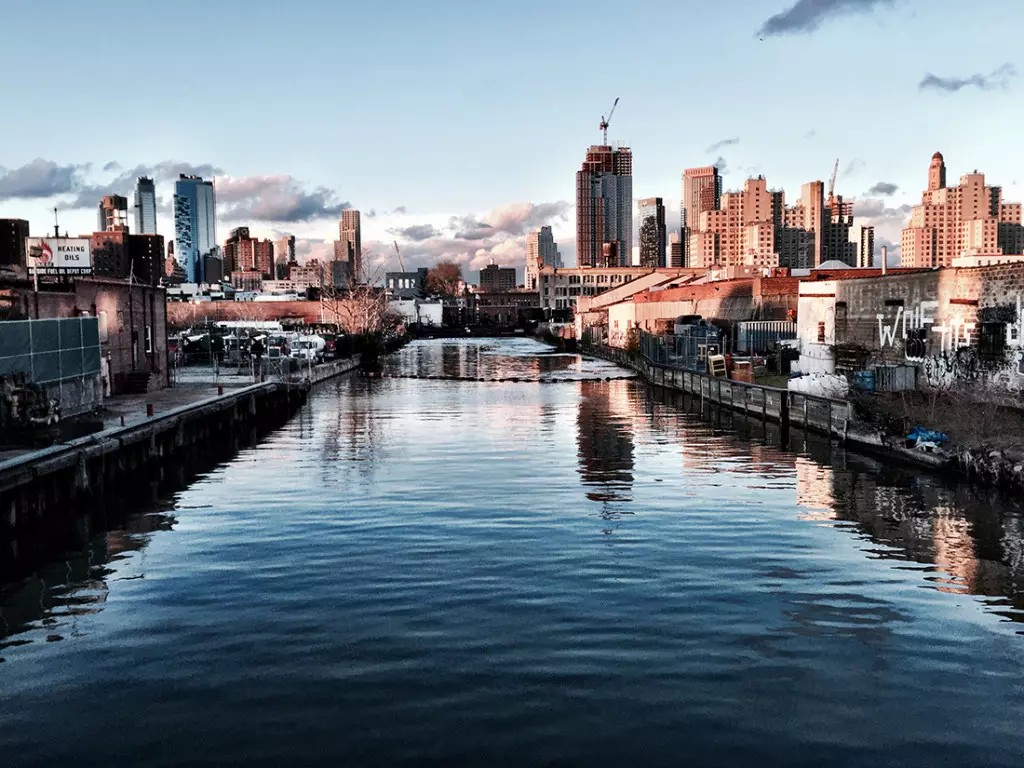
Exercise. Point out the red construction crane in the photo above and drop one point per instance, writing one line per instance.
(606, 120)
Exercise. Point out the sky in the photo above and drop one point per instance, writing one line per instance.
(457, 126)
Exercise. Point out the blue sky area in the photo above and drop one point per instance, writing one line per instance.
(459, 125)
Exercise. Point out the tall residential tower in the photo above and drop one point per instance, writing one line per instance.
(701, 191)
(350, 240)
(652, 232)
(604, 208)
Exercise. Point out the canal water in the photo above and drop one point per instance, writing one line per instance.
(522, 573)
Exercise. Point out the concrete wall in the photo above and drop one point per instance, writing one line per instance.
(957, 326)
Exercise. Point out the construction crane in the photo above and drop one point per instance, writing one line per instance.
(832, 181)
(606, 120)
(398, 253)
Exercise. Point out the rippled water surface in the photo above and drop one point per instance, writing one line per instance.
(523, 573)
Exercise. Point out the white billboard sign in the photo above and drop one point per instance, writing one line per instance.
(59, 255)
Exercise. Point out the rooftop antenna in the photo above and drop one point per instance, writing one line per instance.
(606, 120)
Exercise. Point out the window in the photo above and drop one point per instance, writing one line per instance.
(821, 333)
(102, 317)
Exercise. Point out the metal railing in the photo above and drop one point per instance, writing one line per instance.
(658, 363)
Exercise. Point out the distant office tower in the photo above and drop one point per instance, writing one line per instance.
(652, 232)
(145, 206)
(604, 207)
(243, 253)
(284, 254)
(838, 226)
(13, 233)
(350, 237)
(701, 191)
(950, 221)
(541, 251)
(113, 214)
(495, 278)
(675, 250)
(866, 247)
(195, 224)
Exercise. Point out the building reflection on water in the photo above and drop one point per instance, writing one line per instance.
(604, 437)
(49, 605)
(967, 540)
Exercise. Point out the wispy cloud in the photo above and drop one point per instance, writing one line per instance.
(886, 188)
(997, 78)
(416, 232)
(805, 16)
(719, 145)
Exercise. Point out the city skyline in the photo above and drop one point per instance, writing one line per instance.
(275, 188)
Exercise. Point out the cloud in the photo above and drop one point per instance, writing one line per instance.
(888, 222)
(805, 16)
(471, 240)
(113, 165)
(87, 195)
(399, 209)
(307, 248)
(810, 134)
(998, 78)
(886, 188)
(40, 179)
(521, 218)
(722, 144)
(415, 232)
(279, 198)
(721, 165)
(893, 249)
(468, 228)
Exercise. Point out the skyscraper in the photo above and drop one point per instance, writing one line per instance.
(284, 253)
(652, 232)
(195, 224)
(112, 215)
(351, 239)
(604, 207)
(701, 191)
(145, 206)
(541, 251)
(812, 202)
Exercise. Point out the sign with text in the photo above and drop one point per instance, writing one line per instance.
(59, 255)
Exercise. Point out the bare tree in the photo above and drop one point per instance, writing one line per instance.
(444, 279)
(361, 310)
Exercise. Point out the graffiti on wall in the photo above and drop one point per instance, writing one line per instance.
(945, 347)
